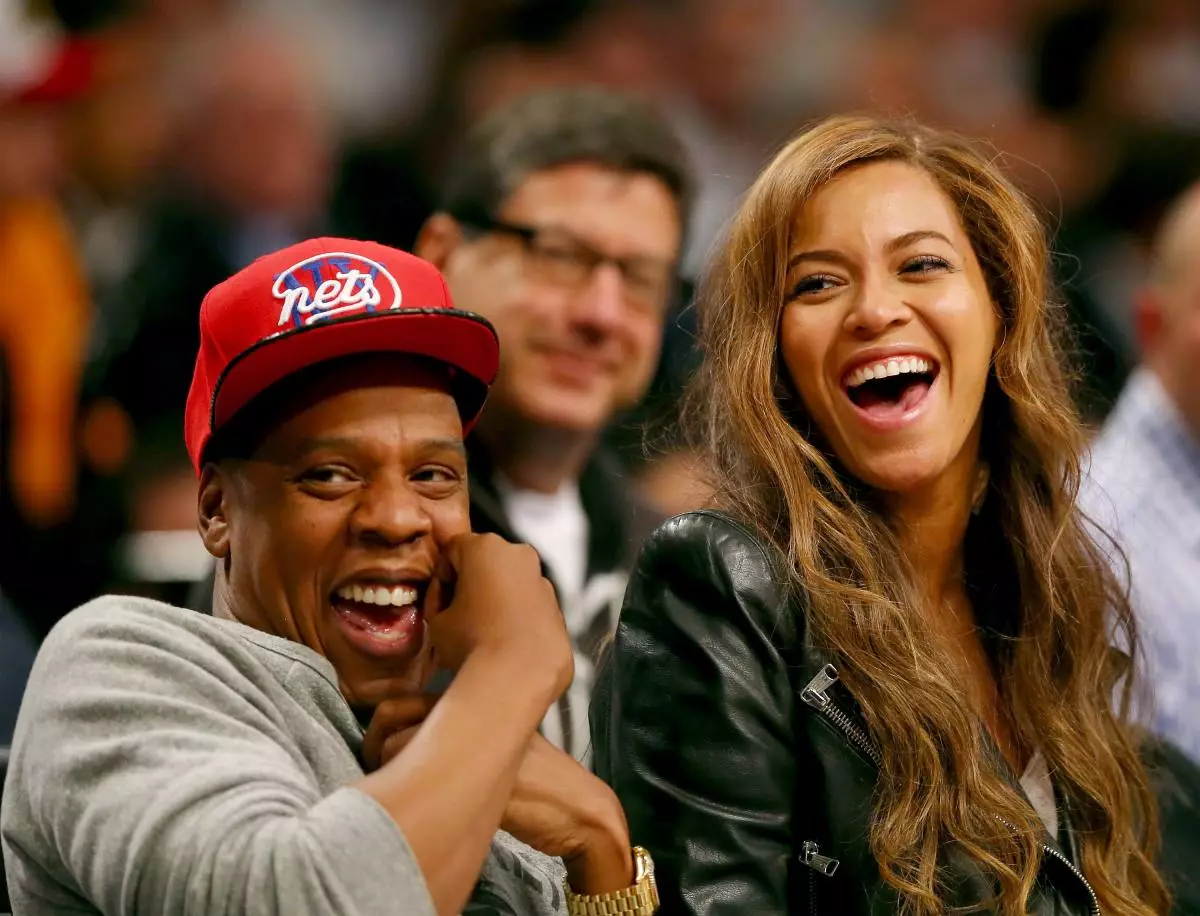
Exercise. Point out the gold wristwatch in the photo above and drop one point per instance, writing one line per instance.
(640, 899)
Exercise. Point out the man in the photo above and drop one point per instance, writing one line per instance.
(173, 762)
(562, 223)
(1144, 483)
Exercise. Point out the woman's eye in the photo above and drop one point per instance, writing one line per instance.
(925, 264)
(814, 284)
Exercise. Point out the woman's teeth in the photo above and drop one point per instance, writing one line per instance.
(395, 596)
(885, 367)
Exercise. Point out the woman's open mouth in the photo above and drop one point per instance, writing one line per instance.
(887, 394)
(381, 618)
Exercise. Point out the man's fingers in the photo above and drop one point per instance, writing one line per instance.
(440, 592)
(403, 711)
(391, 717)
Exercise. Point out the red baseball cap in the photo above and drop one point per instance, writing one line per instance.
(323, 299)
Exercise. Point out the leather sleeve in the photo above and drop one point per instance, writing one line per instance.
(692, 719)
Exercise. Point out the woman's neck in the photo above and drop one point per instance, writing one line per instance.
(932, 527)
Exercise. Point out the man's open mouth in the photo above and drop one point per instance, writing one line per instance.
(380, 616)
(890, 388)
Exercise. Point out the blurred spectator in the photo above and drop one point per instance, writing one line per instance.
(118, 134)
(45, 313)
(250, 167)
(1144, 482)
(1151, 73)
(715, 72)
(562, 222)
(1107, 252)
(377, 55)
(44, 305)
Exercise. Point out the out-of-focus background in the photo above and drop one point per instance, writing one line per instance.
(149, 148)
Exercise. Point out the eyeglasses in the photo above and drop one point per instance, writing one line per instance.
(559, 257)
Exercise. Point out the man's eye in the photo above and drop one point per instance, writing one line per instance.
(559, 259)
(327, 475)
(435, 475)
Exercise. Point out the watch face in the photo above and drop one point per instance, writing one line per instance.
(645, 873)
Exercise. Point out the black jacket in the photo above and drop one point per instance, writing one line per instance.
(742, 763)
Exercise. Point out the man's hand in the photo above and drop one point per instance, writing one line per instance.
(561, 809)
(490, 595)
(393, 725)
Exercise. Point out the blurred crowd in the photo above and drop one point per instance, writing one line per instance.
(150, 148)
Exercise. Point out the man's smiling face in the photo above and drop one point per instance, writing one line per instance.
(332, 524)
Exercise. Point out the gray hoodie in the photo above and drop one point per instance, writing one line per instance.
(169, 762)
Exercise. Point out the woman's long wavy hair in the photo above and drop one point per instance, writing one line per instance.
(1054, 608)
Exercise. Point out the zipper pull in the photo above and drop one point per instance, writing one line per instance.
(814, 693)
(813, 859)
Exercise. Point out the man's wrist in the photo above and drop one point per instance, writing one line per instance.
(638, 898)
(521, 674)
(602, 867)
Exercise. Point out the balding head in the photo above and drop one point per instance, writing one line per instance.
(255, 134)
(1168, 308)
(1177, 243)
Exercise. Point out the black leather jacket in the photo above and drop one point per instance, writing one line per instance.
(742, 763)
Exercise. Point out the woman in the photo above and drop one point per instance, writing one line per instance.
(881, 678)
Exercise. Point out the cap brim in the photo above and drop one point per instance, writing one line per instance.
(463, 340)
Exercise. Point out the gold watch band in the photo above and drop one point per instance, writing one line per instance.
(640, 899)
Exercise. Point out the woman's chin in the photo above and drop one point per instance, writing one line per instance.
(899, 475)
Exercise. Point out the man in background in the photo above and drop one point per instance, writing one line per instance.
(1144, 485)
(562, 222)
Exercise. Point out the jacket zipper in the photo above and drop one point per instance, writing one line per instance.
(1067, 862)
(816, 695)
(811, 856)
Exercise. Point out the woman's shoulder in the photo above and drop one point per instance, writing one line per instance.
(708, 532)
(711, 563)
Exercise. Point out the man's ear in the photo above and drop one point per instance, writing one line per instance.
(1149, 320)
(212, 509)
(438, 239)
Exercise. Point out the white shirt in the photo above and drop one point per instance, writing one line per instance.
(1039, 789)
(556, 526)
(1143, 487)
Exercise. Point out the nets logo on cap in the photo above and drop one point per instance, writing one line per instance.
(336, 283)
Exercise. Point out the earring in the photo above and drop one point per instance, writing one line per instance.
(981, 485)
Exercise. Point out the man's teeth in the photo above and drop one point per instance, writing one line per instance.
(886, 367)
(395, 596)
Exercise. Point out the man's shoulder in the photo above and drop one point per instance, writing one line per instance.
(123, 634)
(124, 617)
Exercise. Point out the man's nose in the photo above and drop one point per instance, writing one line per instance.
(390, 512)
(599, 306)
